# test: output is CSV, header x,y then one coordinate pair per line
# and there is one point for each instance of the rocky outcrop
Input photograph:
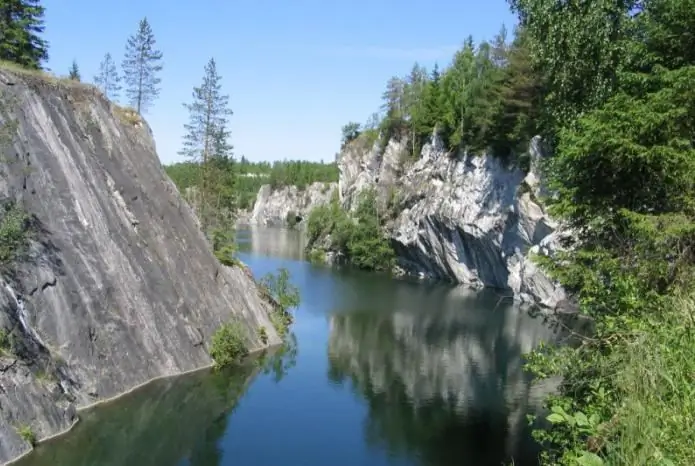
x,y
466,218
111,283
273,205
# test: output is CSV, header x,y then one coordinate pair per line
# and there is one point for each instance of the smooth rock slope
x,y
273,205
117,284
466,218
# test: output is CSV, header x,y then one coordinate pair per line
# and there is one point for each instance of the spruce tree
x,y
108,80
207,138
141,65
74,72
21,22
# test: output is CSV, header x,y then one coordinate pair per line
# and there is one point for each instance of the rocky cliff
x,y
467,218
105,278
273,205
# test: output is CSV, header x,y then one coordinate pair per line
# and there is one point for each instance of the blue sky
x,y
295,70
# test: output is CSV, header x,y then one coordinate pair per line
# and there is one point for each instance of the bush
x,y
286,295
5,343
14,232
27,434
360,240
224,247
292,219
228,345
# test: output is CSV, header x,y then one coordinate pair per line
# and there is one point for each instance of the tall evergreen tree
x,y
141,65
74,73
108,80
21,22
207,138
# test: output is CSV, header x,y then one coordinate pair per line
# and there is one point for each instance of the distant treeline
x,y
250,176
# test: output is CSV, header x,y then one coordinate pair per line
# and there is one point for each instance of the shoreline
x,y
67,430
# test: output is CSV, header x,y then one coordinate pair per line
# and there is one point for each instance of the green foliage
x,y
21,22
206,143
350,132
243,179
5,343
286,296
108,79
228,345
291,219
360,239
301,173
263,335
27,433
619,112
74,72
224,247
488,99
316,256
14,232
141,65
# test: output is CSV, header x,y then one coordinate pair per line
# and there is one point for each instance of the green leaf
x,y
581,419
589,459
556,418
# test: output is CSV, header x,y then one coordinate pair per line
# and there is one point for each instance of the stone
x,y
471,219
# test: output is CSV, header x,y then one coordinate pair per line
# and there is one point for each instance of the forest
x,y
486,99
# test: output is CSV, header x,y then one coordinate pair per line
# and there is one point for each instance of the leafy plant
x,y
14,232
228,344
27,433
287,297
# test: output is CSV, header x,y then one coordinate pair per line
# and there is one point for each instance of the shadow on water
x,y
174,421
444,386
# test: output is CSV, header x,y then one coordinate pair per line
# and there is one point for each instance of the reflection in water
x,y
175,421
444,384
436,370
283,243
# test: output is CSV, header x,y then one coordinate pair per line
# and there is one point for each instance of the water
x,y
386,372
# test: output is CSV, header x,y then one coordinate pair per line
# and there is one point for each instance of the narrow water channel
x,y
384,372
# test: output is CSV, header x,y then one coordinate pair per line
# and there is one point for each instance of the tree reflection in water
x,y
445,386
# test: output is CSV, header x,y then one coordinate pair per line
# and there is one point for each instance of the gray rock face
x,y
272,206
118,285
469,219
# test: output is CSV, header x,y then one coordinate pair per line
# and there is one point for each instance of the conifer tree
x,y
108,80
207,138
141,65
21,22
74,73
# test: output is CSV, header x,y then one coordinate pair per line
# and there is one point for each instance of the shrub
x,y
292,219
224,247
263,335
360,240
5,343
286,295
27,434
228,344
14,232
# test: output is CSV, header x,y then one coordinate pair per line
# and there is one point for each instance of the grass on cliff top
x,y
45,76
126,114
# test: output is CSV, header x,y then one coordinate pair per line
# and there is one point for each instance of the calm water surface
x,y
384,372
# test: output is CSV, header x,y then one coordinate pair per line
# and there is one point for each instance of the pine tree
x,y
74,72
21,22
108,80
207,138
141,65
